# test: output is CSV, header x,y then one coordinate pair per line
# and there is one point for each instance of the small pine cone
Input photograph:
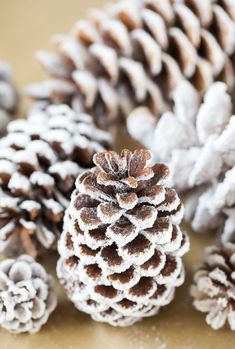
x,y
196,140
213,290
131,52
8,96
121,248
27,295
40,158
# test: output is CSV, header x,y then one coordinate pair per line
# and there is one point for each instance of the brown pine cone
x,y
121,246
131,52
214,286
8,96
40,159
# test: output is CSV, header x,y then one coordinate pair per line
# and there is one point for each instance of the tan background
x,y
25,26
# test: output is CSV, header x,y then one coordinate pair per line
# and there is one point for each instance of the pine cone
x,y
131,52
214,286
40,159
27,295
8,96
121,246
197,142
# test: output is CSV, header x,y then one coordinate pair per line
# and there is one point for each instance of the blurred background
x,y
27,25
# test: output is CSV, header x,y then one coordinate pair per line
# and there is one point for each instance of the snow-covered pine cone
x,y
27,295
129,53
213,290
121,248
40,158
197,142
8,96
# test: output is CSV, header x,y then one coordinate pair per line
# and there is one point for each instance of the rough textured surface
x,y
121,247
66,326
213,290
40,159
8,96
197,141
27,295
132,51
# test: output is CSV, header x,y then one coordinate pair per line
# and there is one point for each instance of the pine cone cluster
x,y
8,95
132,51
121,248
40,158
27,295
213,290
197,141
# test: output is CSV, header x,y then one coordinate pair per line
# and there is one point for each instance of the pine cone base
x,y
105,304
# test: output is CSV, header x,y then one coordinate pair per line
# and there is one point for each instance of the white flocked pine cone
x,y
8,96
197,142
40,158
27,295
121,248
213,290
133,52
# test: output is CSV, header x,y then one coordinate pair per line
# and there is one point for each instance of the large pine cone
x,y
27,295
121,247
127,54
197,142
40,159
213,290
8,96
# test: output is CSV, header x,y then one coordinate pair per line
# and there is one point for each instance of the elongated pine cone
x,y
40,158
27,295
213,290
129,53
8,96
121,248
197,142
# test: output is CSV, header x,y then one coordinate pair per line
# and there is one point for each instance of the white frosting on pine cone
x,y
40,158
135,52
213,290
197,141
121,248
27,295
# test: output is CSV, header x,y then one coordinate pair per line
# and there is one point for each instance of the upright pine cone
x,y
121,248
40,159
128,53
213,290
197,142
8,96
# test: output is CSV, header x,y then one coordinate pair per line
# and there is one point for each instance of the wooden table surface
x,y
25,26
